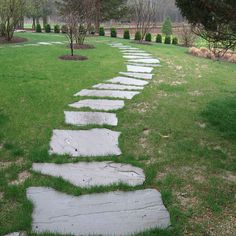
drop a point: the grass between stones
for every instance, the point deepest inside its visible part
(180, 130)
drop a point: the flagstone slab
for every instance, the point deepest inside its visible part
(112, 213)
(138, 64)
(136, 57)
(117, 86)
(107, 93)
(128, 81)
(99, 104)
(90, 118)
(17, 234)
(85, 143)
(90, 174)
(137, 75)
(136, 54)
(145, 60)
(139, 69)
(44, 43)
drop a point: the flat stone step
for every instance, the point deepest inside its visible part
(99, 104)
(137, 75)
(85, 143)
(107, 93)
(90, 118)
(139, 69)
(137, 54)
(117, 87)
(136, 57)
(90, 174)
(128, 81)
(132, 50)
(145, 60)
(113, 213)
(146, 64)
(44, 43)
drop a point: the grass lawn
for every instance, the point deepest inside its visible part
(181, 130)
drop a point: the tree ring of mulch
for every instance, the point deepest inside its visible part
(83, 46)
(14, 40)
(73, 58)
(142, 42)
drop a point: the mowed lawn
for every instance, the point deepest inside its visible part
(181, 130)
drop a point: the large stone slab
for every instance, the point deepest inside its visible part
(85, 143)
(107, 93)
(139, 64)
(117, 87)
(145, 60)
(90, 174)
(137, 54)
(137, 75)
(99, 104)
(90, 118)
(139, 69)
(44, 43)
(128, 81)
(113, 213)
(136, 57)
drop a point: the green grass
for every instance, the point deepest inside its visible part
(182, 135)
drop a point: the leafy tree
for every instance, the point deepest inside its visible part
(215, 21)
(167, 27)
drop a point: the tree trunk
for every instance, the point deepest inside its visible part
(45, 21)
(34, 24)
(98, 16)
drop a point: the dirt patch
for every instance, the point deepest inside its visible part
(83, 46)
(73, 58)
(22, 177)
(14, 40)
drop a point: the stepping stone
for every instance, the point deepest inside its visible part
(44, 43)
(136, 57)
(90, 118)
(90, 174)
(99, 104)
(139, 69)
(149, 65)
(145, 60)
(137, 54)
(137, 75)
(17, 234)
(57, 42)
(128, 81)
(107, 93)
(117, 86)
(132, 51)
(85, 143)
(113, 213)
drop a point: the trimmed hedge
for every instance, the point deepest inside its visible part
(113, 33)
(126, 34)
(48, 28)
(148, 37)
(175, 41)
(137, 36)
(101, 31)
(159, 38)
(57, 29)
(167, 40)
(38, 28)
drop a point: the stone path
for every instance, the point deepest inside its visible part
(112, 213)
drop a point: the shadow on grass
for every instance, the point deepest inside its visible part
(221, 114)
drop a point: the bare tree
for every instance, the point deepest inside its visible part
(187, 37)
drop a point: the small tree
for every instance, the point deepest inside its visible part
(80, 34)
(113, 33)
(167, 27)
(148, 37)
(126, 34)
(187, 37)
(167, 40)
(101, 31)
(159, 38)
(138, 36)
(38, 28)
(48, 28)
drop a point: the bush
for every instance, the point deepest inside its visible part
(159, 38)
(167, 27)
(113, 33)
(167, 40)
(148, 37)
(175, 41)
(38, 28)
(64, 29)
(57, 29)
(138, 36)
(126, 34)
(101, 31)
(47, 28)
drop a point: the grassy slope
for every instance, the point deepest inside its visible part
(182, 135)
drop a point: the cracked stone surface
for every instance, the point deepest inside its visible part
(137, 75)
(128, 81)
(145, 60)
(107, 93)
(85, 143)
(117, 87)
(139, 69)
(90, 174)
(99, 104)
(90, 118)
(113, 213)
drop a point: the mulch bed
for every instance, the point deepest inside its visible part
(73, 58)
(14, 40)
(84, 46)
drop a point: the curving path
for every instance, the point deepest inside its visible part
(112, 213)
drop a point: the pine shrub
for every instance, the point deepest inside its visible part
(167, 27)
(148, 37)
(38, 28)
(57, 29)
(101, 31)
(47, 28)
(138, 36)
(126, 34)
(113, 33)
(167, 40)
(159, 38)
(175, 41)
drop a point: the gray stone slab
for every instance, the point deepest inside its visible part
(132, 51)
(44, 43)
(113, 213)
(128, 81)
(139, 69)
(17, 234)
(137, 54)
(90, 174)
(145, 60)
(107, 93)
(137, 75)
(85, 143)
(90, 118)
(138, 64)
(99, 104)
(136, 57)
(117, 86)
